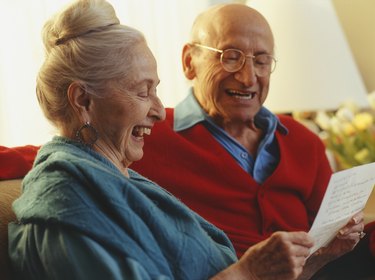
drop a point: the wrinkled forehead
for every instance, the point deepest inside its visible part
(140, 64)
(232, 22)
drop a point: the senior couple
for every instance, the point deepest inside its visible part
(247, 174)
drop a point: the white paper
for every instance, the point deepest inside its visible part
(346, 195)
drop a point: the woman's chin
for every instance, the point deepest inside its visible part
(135, 156)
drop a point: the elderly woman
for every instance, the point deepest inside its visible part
(83, 213)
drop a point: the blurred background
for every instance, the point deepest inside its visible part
(325, 51)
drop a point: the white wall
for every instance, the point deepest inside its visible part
(358, 21)
(165, 23)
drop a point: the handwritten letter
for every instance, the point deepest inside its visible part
(346, 195)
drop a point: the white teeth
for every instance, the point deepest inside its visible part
(241, 95)
(140, 131)
(147, 130)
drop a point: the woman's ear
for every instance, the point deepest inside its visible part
(187, 64)
(79, 99)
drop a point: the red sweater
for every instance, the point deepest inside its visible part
(193, 166)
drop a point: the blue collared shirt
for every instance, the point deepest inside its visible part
(188, 113)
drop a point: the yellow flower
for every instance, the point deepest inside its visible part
(323, 120)
(363, 121)
(336, 125)
(345, 114)
(363, 156)
(349, 134)
(348, 129)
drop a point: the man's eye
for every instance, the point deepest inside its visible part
(263, 59)
(231, 55)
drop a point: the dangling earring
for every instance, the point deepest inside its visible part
(94, 134)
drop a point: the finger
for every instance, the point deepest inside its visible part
(293, 255)
(356, 236)
(352, 227)
(292, 244)
(300, 251)
(298, 237)
(357, 218)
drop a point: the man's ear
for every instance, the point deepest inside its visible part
(79, 99)
(187, 64)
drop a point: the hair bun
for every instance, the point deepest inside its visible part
(79, 18)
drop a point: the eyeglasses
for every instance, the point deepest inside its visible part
(233, 60)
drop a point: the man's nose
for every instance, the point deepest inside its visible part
(247, 74)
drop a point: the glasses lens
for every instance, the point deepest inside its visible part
(232, 60)
(264, 64)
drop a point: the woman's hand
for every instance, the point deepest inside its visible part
(281, 256)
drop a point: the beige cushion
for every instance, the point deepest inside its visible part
(9, 191)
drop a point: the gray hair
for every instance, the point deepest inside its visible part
(84, 43)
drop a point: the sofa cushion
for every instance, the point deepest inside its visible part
(15, 162)
(9, 191)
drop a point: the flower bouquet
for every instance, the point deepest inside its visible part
(349, 133)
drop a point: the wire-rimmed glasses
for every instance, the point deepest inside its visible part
(233, 60)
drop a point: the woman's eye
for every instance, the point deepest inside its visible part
(143, 94)
(143, 91)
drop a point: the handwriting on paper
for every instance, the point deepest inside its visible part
(346, 195)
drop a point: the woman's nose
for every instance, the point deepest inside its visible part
(157, 110)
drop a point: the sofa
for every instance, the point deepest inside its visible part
(9, 190)
(16, 162)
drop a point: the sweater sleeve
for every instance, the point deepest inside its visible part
(54, 252)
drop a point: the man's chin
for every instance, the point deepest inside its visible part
(243, 117)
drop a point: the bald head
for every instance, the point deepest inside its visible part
(220, 20)
(223, 93)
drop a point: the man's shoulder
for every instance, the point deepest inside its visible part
(297, 129)
(291, 124)
(287, 119)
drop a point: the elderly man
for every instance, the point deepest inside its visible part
(246, 170)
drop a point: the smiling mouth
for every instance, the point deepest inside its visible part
(241, 95)
(140, 131)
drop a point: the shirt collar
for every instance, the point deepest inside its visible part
(188, 113)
